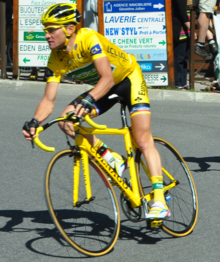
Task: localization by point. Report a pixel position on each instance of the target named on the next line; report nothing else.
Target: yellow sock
(157, 182)
(98, 144)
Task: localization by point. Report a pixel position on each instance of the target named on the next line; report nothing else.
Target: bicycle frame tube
(85, 149)
(76, 176)
(85, 164)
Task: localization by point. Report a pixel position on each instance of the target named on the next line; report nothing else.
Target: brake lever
(32, 143)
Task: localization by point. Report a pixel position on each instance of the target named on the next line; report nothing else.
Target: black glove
(87, 102)
(28, 124)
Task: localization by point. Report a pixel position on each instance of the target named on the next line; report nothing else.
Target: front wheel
(181, 199)
(93, 227)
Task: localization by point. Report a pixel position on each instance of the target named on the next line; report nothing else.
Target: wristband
(87, 102)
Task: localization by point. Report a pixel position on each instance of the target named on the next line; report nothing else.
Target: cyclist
(89, 57)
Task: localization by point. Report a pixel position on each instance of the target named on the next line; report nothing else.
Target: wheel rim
(92, 228)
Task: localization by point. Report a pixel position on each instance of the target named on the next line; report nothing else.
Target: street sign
(33, 50)
(139, 28)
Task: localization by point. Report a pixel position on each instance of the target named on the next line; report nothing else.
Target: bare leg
(203, 23)
(143, 137)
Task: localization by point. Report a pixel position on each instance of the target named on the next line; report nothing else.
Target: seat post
(123, 115)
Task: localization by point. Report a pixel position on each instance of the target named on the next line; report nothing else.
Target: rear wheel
(92, 227)
(181, 199)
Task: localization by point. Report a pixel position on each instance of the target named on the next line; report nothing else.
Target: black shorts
(133, 89)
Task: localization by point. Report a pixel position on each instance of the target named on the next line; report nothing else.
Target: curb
(165, 95)
(154, 94)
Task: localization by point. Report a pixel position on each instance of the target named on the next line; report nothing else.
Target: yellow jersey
(78, 64)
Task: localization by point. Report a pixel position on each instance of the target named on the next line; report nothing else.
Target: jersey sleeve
(94, 45)
(51, 72)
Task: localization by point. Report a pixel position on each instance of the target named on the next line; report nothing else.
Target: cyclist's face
(55, 36)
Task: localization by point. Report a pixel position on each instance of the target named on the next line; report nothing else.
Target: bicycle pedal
(156, 223)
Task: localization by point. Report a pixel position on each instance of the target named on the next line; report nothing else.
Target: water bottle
(107, 156)
(117, 162)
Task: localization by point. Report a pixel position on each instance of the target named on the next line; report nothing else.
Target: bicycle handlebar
(39, 143)
(93, 124)
(52, 149)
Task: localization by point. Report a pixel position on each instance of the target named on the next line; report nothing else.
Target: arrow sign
(26, 60)
(164, 79)
(161, 66)
(159, 6)
(162, 43)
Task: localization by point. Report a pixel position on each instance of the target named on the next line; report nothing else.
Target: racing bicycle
(81, 199)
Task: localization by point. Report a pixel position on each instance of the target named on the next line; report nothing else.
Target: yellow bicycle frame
(86, 150)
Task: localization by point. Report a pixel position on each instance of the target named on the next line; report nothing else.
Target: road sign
(139, 28)
(157, 79)
(33, 60)
(32, 47)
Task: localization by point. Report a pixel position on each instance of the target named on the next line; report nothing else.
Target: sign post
(140, 28)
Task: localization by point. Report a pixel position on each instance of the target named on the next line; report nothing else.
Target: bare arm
(45, 107)
(105, 83)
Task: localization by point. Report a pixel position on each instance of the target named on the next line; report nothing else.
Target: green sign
(34, 36)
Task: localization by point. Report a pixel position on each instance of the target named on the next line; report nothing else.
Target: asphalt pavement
(189, 122)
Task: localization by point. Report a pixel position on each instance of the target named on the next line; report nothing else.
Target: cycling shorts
(133, 89)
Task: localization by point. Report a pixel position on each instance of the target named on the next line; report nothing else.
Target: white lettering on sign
(133, 19)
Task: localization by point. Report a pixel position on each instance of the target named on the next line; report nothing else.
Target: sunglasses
(51, 29)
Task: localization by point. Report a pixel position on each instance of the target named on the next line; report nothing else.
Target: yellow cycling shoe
(158, 211)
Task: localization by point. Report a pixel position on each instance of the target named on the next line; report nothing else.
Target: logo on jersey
(75, 47)
(48, 72)
(95, 50)
(138, 99)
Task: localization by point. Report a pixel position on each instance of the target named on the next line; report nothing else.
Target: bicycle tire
(182, 199)
(92, 228)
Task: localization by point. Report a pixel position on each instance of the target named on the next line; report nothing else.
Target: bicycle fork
(76, 178)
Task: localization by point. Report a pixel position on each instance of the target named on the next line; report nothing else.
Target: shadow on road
(16, 224)
(203, 162)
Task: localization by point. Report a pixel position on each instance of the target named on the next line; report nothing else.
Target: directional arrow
(159, 6)
(162, 43)
(26, 60)
(164, 79)
(161, 66)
